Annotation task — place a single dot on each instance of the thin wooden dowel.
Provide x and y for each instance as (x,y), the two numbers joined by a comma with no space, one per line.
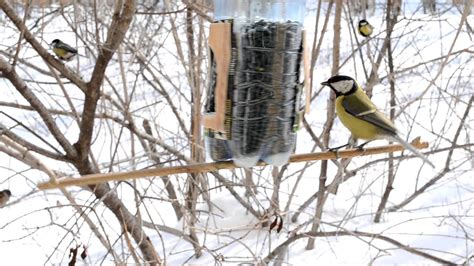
(207,167)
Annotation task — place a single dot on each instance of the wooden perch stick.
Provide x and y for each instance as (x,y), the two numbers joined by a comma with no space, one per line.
(207,167)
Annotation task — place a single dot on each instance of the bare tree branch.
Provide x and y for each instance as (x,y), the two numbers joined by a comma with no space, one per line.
(10,12)
(446,169)
(392,241)
(8,72)
(120,23)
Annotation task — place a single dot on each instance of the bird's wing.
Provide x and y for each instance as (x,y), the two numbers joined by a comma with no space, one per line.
(66,47)
(367,111)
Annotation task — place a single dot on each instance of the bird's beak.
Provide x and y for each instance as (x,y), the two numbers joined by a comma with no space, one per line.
(325,83)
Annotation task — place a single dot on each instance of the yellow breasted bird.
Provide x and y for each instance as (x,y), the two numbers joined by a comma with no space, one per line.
(360,115)
(365,29)
(4,196)
(62,50)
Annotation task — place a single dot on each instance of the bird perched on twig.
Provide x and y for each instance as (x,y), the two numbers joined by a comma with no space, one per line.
(4,196)
(62,50)
(365,29)
(360,115)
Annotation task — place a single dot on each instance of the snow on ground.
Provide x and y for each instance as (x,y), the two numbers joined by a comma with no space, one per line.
(439,222)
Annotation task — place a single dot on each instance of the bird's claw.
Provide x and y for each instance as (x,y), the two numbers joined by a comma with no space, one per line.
(361,146)
(335,150)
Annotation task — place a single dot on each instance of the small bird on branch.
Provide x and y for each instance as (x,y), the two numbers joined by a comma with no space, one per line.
(365,29)
(360,115)
(4,197)
(62,50)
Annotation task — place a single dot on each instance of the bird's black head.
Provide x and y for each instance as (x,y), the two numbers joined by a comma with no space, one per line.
(363,22)
(341,85)
(55,42)
(7,192)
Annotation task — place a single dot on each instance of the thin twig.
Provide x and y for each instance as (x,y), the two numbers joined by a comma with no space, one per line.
(10,12)
(9,72)
(392,241)
(390,20)
(326,134)
(446,169)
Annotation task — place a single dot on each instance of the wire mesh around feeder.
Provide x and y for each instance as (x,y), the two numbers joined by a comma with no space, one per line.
(265,89)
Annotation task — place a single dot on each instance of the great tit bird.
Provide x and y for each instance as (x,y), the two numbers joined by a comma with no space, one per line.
(62,50)
(360,115)
(4,196)
(365,29)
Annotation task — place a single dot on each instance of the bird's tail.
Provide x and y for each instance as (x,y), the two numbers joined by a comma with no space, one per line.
(410,147)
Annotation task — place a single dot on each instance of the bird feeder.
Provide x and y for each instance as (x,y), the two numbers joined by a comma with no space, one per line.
(256,92)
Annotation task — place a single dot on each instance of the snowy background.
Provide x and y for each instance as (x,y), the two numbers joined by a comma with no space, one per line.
(149,78)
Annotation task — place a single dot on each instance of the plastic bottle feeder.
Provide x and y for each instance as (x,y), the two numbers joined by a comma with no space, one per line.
(254,100)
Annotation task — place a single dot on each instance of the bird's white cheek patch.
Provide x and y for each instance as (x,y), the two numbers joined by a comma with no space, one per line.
(345,86)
